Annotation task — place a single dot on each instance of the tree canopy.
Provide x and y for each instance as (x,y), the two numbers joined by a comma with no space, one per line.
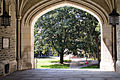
(67,28)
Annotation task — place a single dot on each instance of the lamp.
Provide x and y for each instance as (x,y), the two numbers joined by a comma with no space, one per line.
(5,18)
(114,18)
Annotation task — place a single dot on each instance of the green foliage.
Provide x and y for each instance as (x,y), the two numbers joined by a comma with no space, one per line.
(66,28)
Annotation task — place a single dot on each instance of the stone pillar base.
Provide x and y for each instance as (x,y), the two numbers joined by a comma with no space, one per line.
(118,66)
(24,64)
(19,64)
(107,66)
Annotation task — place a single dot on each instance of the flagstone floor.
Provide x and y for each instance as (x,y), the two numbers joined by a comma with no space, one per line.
(62,74)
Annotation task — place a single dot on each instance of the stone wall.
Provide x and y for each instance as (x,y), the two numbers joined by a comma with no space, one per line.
(8,55)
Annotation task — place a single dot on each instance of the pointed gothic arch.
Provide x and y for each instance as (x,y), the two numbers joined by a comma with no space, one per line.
(32,14)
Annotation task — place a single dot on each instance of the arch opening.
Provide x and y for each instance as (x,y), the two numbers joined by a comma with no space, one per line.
(30,19)
(70,54)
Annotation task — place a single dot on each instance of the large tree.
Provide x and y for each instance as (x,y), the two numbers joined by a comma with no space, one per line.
(66,28)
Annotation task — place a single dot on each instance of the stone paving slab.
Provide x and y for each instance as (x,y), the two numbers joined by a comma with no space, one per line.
(94,79)
(62,74)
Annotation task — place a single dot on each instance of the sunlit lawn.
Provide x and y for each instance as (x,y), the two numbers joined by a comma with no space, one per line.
(90,67)
(51,63)
(65,66)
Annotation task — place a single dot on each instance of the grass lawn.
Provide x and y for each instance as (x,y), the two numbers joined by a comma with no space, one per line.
(51,63)
(90,67)
(65,66)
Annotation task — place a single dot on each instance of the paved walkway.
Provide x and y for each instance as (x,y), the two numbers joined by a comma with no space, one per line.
(62,74)
(80,62)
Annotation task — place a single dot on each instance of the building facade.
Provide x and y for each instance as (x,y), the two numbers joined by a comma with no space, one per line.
(17,40)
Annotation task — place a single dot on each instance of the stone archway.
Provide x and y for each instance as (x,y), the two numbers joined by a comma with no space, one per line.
(28,20)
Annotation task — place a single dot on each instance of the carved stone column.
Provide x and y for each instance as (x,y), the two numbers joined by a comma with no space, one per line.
(118,49)
(18,35)
(19,43)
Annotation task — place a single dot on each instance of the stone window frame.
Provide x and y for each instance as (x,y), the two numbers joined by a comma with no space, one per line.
(8,43)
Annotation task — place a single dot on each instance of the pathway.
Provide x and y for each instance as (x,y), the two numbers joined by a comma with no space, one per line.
(62,74)
(77,63)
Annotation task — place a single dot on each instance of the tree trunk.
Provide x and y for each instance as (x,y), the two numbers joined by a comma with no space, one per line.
(61,58)
(98,59)
(94,55)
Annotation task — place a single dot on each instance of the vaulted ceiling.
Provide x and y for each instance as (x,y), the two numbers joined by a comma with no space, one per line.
(25,5)
(108,5)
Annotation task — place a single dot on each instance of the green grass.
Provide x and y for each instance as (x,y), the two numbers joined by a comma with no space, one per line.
(65,66)
(90,67)
(52,63)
